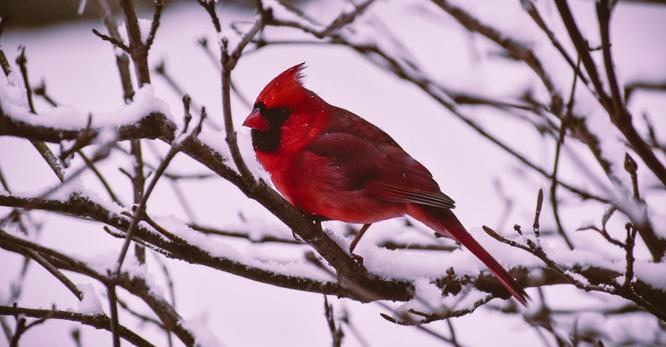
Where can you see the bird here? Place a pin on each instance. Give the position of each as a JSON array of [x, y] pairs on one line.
[[334, 165]]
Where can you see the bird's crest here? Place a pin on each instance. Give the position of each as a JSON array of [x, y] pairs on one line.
[[284, 88]]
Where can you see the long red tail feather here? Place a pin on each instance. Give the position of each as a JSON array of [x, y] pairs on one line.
[[445, 223]]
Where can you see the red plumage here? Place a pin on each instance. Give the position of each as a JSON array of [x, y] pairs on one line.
[[334, 164]]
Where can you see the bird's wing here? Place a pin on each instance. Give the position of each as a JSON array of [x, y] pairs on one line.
[[382, 169], [343, 121]]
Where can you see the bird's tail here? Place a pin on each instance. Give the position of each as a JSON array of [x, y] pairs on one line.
[[445, 223]]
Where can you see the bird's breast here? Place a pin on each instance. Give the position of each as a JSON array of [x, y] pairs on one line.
[[278, 166]]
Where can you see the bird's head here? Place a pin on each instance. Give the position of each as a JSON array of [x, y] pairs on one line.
[[285, 114]]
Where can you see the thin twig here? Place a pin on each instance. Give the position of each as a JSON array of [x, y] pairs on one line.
[[115, 322], [336, 331], [140, 209], [155, 23], [101, 178], [55, 272], [135, 285], [352, 328], [228, 64], [138, 315], [360, 291], [41, 147], [632, 168], [96, 321], [122, 60], [630, 242], [170, 286], [512, 46], [452, 331], [115, 42], [618, 113], [564, 123], [537, 213]]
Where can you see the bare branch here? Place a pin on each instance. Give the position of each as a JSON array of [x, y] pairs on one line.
[[41, 147], [564, 123], [155, 23], [113, 304], [135, 285], [55, 272], [97, 321], [615, 107], [632, 87], [516, 49], [336, 331], [629, 247], [122, 60], [115, 42], [141, 208]]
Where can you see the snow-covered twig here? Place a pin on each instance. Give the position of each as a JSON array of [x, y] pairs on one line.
[[40, 146], [369, 295], [96, 321], [133, 282]]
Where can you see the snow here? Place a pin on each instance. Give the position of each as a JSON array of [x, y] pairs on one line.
[[459, 159], [72, 189], [590, 323], [396, 230], [411, 265], [258, 228], [14, 104], [91, 303], [651, 273], [144, 26], [12, 88], [659, 220], [203, 336], [428, 299], [584, 258], [296, 267], [106, 262], [215, 140]]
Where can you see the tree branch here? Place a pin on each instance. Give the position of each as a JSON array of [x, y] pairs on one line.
[[97, 321]]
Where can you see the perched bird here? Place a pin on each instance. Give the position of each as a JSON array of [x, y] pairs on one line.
[[333, 164]]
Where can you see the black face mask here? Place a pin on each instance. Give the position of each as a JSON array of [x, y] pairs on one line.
[[269, 140]]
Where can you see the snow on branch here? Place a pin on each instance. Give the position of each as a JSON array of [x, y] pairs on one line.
[[430, 281]]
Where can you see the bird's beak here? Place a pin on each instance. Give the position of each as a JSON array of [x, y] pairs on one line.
[[256, 121]]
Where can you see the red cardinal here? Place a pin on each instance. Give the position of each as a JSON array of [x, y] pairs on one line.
[[333, 164]]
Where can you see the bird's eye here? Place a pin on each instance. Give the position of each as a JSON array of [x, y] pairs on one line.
[[276, 114]]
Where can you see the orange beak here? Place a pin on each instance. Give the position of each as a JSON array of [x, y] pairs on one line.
[[256, 121]]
